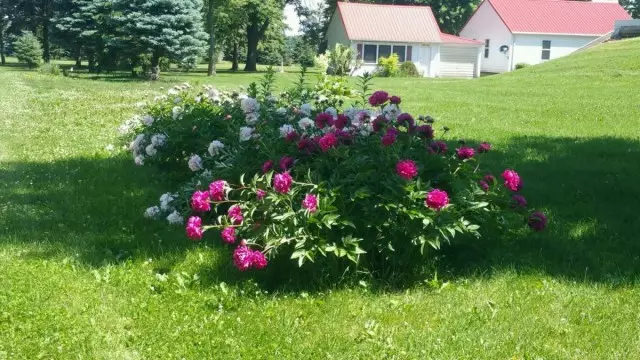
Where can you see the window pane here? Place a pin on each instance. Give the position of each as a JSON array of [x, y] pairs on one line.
[[546, 54], [486, 48], [384, 51], [546, 44], [370, 53], [400, 51]]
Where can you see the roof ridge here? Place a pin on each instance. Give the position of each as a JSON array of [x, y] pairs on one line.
[[385, 5]]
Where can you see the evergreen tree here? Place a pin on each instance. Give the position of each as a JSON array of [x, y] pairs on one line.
[[161, 28], [27, 49]]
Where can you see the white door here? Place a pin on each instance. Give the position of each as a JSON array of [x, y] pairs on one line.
[[458, 61], [424, 60]]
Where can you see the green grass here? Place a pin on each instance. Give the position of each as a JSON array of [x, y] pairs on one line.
[[83, 275]]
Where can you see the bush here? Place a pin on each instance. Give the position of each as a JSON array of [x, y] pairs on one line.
[[27, 49], [307, 56], [277, 177], [388, 66], [50, 69], [321, 62], [408, 68], [521, 66], [340, 60]]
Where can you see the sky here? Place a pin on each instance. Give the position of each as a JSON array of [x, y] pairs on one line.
[[291, 18]]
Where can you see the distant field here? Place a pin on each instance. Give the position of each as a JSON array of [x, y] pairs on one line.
[[83, 275]]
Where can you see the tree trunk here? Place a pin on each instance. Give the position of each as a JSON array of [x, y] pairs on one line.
[[155, 66], [255, 31], [235, 56], [78, 57], [3, 61], [211, 71], [91, 59], [46, 47]]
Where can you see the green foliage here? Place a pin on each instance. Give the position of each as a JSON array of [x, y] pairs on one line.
[[27, 49], [388, 66], [521, 66], [340, 60], [50, 69], [409, 69]]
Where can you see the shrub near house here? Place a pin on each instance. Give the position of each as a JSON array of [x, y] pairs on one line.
[[280, 175]]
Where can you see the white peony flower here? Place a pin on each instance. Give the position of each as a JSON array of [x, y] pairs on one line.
[[252, 118], [281, 111], [136, 144], [198, 99], [391, 112], [152, 212], [177, 100], [249, 105], [272, 98], [147, 120], [151, 150], [176, 112], [173, 91], [286, 129], [139, 160], [245, 133], [207, 174], [332, 111], [165, 200], [158, 140], [195, 163], [174, 218], [215, 147], [160, 98], [306, 123], [110, 147], [306, 109]]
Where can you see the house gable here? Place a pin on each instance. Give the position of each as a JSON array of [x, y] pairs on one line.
[[336, 32]]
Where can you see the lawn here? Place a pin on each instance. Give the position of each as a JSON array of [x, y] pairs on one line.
[[83, 275]]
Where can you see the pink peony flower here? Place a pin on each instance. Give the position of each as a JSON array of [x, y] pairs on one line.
[[282, 182], [378, 98], [483, 184], [379, 123], [328, 141], [228, 235], [200, 201], [260, 194], [258, 260], [407, 169], [395, 100], [519, 200], [341, 121], [243, 257], [512, 180], [484, 147], [286, 163], [310, 203], [216, 190], [537, 221], [291, 137], [490, 179], [438, 147], [194, 228], [437, 199], [465, 152], [405, 119], [425, 131], [323, 119], [267, 166], [235, 215]]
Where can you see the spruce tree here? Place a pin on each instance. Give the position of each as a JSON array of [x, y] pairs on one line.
[[28, 49]]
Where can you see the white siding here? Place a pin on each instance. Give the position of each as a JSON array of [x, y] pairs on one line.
[[528, 48], [486, 24], [458, 61], [419, 56], [336, 34]]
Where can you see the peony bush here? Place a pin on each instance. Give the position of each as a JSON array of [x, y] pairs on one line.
[[300, 175]]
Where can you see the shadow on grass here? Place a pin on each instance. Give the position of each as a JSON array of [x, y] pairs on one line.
[[92, 209]]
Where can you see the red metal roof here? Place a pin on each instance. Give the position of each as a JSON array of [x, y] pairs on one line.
[[393, 23], [559, 16]]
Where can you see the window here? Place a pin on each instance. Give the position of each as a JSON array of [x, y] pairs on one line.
[[370, 54], [486, 48], [546, 49], [400, 50], [384, 51]]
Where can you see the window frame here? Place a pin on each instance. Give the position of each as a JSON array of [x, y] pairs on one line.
[[487, 47], [546, 50], [377, 45]]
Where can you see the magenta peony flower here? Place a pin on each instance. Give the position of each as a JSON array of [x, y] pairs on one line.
[[378, 98], [323, 119], [228, 235], [243, 257], [379, 123], [328, 141], [490, 179], [194, 228], [258, 261], [483, 184], [216, 190], [200, 201], [512, 180], [267, 166], [286, 163], [405, 119], [390, 137], [519, 200], [341, 121], [260, 194], [425, 131], [310, 203], [407, 169], [436, 199], [282, 182], [484, 147], [291, 137], [395, 100], [235, 214], [465, 152], [307, 145], [538, 221], [438, 147]]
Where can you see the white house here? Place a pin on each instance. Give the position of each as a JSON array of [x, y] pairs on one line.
[[412, 32], [534, 31]]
